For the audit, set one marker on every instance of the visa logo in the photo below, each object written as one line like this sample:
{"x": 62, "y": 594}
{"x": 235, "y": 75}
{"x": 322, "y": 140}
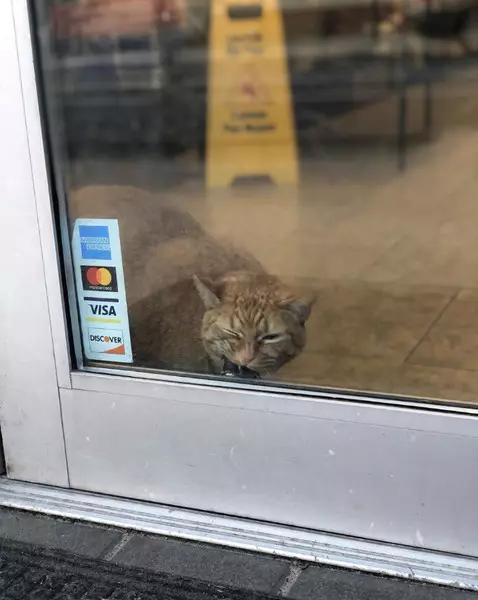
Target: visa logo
{"x": 103, "y": 310}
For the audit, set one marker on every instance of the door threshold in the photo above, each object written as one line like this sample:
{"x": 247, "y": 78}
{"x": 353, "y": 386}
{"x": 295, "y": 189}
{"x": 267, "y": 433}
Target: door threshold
{"x": 279, "y": 540}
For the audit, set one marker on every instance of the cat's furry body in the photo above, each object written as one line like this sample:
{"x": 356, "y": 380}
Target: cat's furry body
{"x": 174, "y": 271}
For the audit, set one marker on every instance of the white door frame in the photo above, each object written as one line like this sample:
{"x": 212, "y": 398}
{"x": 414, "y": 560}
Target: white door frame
{"x": 34, "y": 354}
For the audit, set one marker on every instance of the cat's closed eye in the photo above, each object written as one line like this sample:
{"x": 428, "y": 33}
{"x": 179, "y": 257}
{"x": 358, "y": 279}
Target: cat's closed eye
{"x": 271, "y": 337}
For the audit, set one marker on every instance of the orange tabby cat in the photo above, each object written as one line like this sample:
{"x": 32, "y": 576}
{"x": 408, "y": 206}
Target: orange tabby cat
{"x": 194, "y": 301}
{"x": 252, "y": 320}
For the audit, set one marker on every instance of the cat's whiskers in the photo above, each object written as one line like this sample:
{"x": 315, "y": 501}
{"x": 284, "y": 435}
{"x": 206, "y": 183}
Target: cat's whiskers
{"x": 267, "y": 372}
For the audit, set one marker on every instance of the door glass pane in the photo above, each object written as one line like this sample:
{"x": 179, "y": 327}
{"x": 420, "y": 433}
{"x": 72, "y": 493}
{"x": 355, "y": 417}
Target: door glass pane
{"x": 294, "y": 183}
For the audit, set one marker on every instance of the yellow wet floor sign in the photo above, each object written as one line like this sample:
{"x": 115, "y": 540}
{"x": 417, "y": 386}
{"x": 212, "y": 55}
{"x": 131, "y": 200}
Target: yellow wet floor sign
{"x": 250, "y": 130}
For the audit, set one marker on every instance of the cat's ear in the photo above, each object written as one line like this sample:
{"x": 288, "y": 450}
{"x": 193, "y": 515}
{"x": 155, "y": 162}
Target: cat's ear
{"x": 299, "y": 305}
{"x": 207, "y": 292}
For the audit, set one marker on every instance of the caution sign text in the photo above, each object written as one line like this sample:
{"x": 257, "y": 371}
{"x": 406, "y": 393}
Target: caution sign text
{"x": 250, "y": 131}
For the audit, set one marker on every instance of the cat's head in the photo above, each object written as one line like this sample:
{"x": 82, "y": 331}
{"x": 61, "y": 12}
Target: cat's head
{"x": 253, "y": 320}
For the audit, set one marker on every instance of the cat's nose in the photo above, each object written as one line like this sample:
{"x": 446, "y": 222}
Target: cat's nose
{"x": 244, "y": 355}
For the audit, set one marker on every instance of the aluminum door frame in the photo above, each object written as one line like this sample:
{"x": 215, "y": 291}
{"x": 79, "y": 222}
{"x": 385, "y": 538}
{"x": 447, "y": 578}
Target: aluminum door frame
{"x": 34, "y": 355}
{"x": 394, "y": 471}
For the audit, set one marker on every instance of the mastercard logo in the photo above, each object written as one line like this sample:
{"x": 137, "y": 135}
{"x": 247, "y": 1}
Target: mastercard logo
{"x": 98, "y": 276}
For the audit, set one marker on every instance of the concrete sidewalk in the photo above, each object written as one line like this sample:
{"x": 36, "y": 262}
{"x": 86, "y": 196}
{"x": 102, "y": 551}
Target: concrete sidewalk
{"x": 213, "y": 565}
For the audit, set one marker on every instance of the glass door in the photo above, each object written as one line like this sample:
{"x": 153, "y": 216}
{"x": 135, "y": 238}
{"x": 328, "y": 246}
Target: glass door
{"x": 267, "y": 252}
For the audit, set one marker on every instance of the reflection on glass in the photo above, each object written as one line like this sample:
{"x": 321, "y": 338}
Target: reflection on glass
{"x": 349, "y": 209}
